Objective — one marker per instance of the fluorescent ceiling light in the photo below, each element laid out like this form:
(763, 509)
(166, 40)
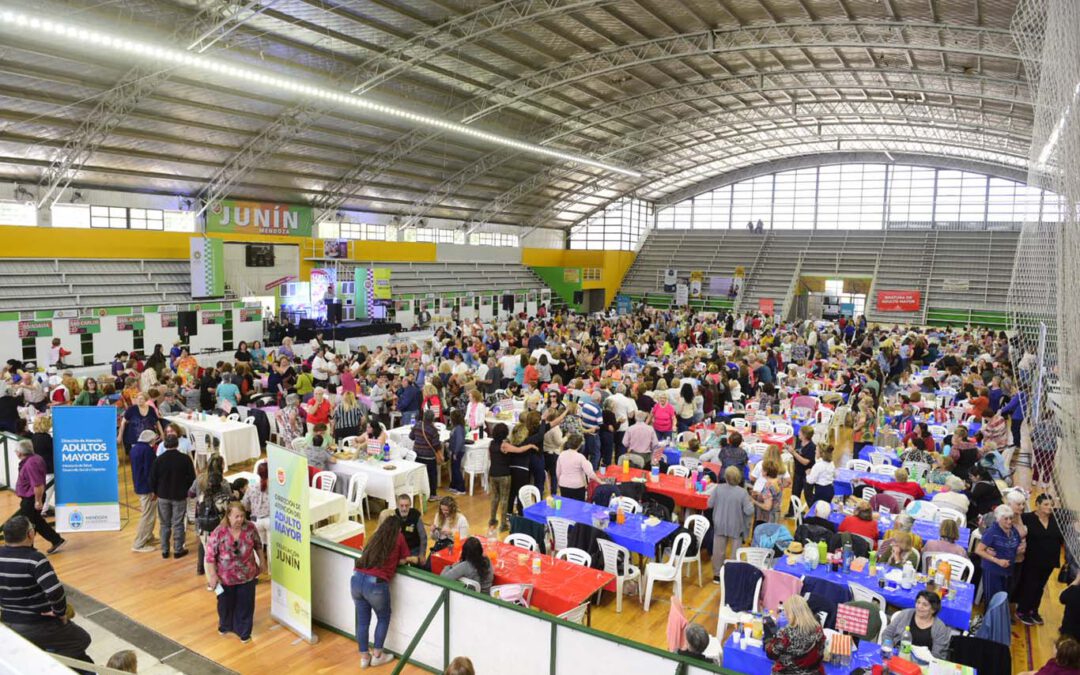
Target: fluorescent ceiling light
(36, 27)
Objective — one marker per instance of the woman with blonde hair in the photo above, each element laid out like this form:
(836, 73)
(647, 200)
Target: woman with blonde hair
(432, 402)
(476, 411)
(901, 550)
(347, 417)
(797, 648)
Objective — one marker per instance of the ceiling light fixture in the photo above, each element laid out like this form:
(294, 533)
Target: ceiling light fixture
(37, 27)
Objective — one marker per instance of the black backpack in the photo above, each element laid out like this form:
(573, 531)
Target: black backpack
(209, 513)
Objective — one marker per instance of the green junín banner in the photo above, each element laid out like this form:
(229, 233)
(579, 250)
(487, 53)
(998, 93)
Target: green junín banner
(132, 322)
(239, 217)
(84, 326)
(290, 540)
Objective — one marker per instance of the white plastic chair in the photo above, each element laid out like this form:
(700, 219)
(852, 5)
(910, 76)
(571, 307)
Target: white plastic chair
(901, 498)
(859, 592)
(233, 417)
(470, 584)
(783, 428)
(699, 527)
(625, 504)
(756, 448)
(409, 455)
(690, 463)
(528, 495)
(612, 552)
(476, 463)
(250, 419)
(868, 492)
(764, 426)
(576, 615)
(515, 594)
(357, 496)
(409, 487)
(678, 470)
(824, 415)
(884, 469)
(522, 540)
(757, 556)
(937, 430)
(798, 508)
(880, 459)
(667, 571)
(926, 511)
(727, 615)
(962, 569)
(685, 436)
(324, 480)
(575, 555)
(560, 531)
(740, 423)
(944, 512)
(858, 465)
(348, 441)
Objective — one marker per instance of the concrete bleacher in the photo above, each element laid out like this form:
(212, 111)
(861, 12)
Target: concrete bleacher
(895, 259)
(437, 277)
(60, 283)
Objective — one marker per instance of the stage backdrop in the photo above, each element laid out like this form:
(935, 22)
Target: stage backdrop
(84, 447)
(290, 541)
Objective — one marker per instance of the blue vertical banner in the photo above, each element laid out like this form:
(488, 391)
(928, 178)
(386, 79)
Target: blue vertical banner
(85, 459)
(622, 304)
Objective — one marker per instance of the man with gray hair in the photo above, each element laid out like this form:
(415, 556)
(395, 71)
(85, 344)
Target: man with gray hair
(697, 641)
(30, 489)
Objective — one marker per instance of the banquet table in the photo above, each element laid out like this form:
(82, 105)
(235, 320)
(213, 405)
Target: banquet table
(744, 658)
(382, 483)
(668, 485)
(631, 534)
(846, 477)
(894, 458)
(239, 441)
(559, 587)
(955, 611)
(400, 435)
(325, 505)
(927, 529)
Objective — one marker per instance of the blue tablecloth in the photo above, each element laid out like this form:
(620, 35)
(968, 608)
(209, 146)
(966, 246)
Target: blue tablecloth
(753, 661)
(955, 612)
(864, 454)
(629, 534)
(928, 530)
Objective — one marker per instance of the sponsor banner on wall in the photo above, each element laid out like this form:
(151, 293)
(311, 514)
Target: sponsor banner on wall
(336, 248)
(170, 320)
(766, 305)
(249, 314)
(955, 285)
(207, 267)
(898, 301)
(131, 322)
(622, 304)
(277, 282)
(211, 317)
(671, 278)
(35, 329)
(682, 294)
(571, 275)
(84, 326)
(241, 217)
(381, 276)
(290, 540)
(84, 448)
(696, 279)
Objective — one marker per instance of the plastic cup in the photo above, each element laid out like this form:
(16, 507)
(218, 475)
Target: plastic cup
(558, 505)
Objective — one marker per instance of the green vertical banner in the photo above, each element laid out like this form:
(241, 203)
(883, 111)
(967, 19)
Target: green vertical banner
(207, 267)
(290, 541)
(362, 292)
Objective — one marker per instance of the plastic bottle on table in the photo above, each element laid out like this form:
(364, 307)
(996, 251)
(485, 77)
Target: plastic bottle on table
(905, 644)
(536, 565)
(386, 452)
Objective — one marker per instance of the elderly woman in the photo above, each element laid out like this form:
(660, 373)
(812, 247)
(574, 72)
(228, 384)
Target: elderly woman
(139, 417)
(900, 549)
(799, 647)
(290, 425)
(926, 629)
(903, 523)
(731, 508)
(573, 470)
(862, 522)
(948, 533)
(953, 496)
(767, 499)
(257, 502)
(427, 446)
(663, 416)
(998, 549)
(233, 565)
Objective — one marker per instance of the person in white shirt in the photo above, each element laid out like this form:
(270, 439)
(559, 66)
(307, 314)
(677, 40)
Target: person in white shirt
(321, 367)
(475, 411)
(822, 475)
(508, 363)
(624, 408)
(952, 496)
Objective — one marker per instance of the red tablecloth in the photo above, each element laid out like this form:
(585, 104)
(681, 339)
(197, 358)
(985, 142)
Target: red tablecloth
(671, 486)
(776, 439)
(560, 586)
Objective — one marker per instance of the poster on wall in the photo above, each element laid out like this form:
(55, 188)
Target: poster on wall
(131, 322)
(622, 304)
(381, 276)
(169, 320)
(898, 301)
(207, 267)
(766, 306)
(363, 292)
(323, 281)
(670, 280)
(241, 217)
(84, 448)
(84, 326)
(290, 541)
(725, 286)
(696, 279)
(35, 329)
(336, 248)
(250, 314)
(571, 275)
(682, 294)
(212, 317)
(955, 285)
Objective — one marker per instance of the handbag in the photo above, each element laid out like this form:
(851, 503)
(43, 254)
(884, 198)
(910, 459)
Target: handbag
(439, 456)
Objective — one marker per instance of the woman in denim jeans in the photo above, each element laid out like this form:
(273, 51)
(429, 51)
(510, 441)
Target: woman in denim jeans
(371, 587)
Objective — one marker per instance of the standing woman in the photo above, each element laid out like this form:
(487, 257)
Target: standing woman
(573, 470)
(428, 447)
(139, 417)
(1044, 541)
(232, 560)
(476, 411)
(822, 475)
(370, 586)
(502, 452)
(799, 647)
(998, 548)
(457, 452)
(90, 394)
(347, 417)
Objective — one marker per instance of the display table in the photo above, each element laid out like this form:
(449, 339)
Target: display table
(631, 534)
(560, 586)
(325, 505)
(675, 487)
(927, 529)
(381, 483)
(955, 611)
(239, 441)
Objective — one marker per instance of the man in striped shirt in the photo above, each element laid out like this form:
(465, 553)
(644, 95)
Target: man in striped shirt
(32, 600)
(591, 419)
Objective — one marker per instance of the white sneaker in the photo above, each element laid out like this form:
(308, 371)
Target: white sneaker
(381, 659)
(144, 549)
(365, 660)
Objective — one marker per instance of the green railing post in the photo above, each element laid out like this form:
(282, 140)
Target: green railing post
(446, 630)
(553, 667)
(404, 657)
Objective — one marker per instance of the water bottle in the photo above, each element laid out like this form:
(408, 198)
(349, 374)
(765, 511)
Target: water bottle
(386, 452)
(905, 644)
(886, 649)
(848, 555)
(536, 565)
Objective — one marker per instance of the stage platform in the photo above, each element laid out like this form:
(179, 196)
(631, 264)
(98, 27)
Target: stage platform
(349, 329)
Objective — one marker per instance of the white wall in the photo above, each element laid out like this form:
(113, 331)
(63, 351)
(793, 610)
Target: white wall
(471, 254)
(253, 280)
(111, 341)
(154, 333)
(210, 336)
(247, 330)
(10, 344)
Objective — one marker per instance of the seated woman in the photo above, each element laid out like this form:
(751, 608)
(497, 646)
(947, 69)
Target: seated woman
(862, 522)
(898, 549)
(926, 629)
(899, 483)
(473, 565)
(799, 647)
(949, 532)
(904, 523)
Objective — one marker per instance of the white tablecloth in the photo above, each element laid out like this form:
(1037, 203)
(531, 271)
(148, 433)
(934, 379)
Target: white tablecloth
(327, 506)
(239, 441)
(383, 484)
(400, 435)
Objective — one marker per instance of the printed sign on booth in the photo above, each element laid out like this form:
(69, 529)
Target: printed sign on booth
(898, 301)
(84, 326)
(766, 305)
(215, 316)
(35, 329)
(131, 322)
(290, 540)
(84, 448)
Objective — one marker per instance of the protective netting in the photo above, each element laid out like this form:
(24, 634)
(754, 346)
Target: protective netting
(1044, 298)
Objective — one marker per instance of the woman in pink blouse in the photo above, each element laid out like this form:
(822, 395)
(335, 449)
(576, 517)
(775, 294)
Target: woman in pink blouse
(232, 567)
(573, 470)
(663, 416)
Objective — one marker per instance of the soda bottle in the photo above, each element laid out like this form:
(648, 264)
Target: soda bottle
(386, 452)
(905, 644)
(873, 563)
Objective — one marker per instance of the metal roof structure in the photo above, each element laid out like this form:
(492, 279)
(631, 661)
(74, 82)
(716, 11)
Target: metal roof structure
(681, 91)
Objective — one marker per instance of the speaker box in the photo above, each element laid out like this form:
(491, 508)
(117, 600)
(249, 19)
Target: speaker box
(187, 323)
(333, 312)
